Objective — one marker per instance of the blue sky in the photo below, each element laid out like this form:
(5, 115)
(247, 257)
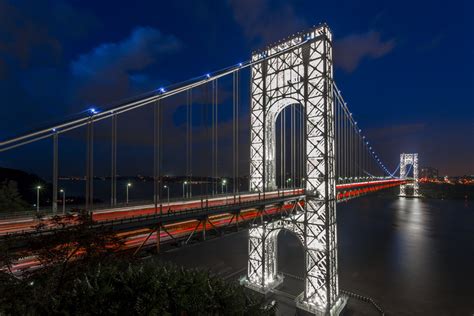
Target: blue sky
(405, 68)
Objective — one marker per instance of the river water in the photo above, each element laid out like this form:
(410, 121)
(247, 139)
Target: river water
(412, 256)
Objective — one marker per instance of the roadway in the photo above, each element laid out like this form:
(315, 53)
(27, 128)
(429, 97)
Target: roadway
(344, 191)
(179, 230)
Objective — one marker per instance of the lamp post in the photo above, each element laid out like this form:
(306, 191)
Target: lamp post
(38, 188)
(288, 182)
(224, 183)
(168, 189)
(64, 200)
(128, 186)
(184, 183)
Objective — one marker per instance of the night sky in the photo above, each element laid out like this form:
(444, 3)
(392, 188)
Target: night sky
(405, 68)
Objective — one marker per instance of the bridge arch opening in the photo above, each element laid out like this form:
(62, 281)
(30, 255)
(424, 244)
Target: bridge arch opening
(265, 257)
(285, 145)
(291, 260)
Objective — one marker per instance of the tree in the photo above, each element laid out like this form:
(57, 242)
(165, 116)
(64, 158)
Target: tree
(119, 286)
(81, 273)
(10, 199)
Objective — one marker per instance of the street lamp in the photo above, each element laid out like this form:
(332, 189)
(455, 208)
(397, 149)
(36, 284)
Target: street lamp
(288, 182)
(167, 189)
(38, 188)
(224, 183)
(184, 183)
(128, 186)
(64, 200)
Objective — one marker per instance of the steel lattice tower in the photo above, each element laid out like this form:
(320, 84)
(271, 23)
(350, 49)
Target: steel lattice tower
(406, 160)
(286, 76)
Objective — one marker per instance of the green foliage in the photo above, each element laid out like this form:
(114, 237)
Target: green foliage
(10, 198)
(118, 286)
(80, 273)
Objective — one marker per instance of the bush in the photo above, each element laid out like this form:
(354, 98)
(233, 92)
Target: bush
(124, 287)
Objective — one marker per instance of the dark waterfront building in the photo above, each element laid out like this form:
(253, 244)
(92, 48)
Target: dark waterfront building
(429, 172)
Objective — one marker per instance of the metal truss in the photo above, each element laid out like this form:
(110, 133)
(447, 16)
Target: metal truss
(406, 160)
(263, 248)
(301, 75)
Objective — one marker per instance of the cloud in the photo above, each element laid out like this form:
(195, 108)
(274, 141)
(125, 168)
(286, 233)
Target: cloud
(32, 33)
(349, 51)
(264, 22)
(22, 39)
(110, 69)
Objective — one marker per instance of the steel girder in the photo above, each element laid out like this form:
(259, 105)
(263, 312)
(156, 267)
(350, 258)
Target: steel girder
(406, 160)
(303, 75)
(262, 273)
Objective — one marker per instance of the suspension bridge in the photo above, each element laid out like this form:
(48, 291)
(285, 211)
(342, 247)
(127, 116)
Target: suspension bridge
(307, 153)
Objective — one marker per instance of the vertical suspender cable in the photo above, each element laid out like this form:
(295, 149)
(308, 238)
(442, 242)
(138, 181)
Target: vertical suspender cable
(338, 142)
(237, 131)
(284, 148)
(293, 157)
(190, 175)
(156, 153)
(234, 82)
(346, 169)
(187, 146)
(282, 180)
(55, 173)
(351, 150)
(161, 146)
(113, 171)
(215, 135)
(204, 121)
(90, 166)
(301, 146)
(187, 185)
(213, 120)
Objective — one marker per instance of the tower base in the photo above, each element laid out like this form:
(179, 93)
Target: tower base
(410, 195)
(336, 309)
(267, 288)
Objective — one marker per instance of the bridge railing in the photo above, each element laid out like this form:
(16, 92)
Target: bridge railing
(46, 211)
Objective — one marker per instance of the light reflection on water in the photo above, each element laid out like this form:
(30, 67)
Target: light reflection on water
(413, 255)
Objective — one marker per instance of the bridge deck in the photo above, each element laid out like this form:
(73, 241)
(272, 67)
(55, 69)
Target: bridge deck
(183, 219)
(185, 209)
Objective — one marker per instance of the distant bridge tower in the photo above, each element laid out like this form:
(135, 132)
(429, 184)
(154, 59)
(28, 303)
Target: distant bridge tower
(298, 70)
(405, 161)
